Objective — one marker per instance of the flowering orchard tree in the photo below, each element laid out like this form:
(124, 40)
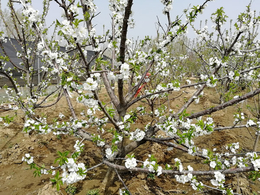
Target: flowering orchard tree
(229, 62)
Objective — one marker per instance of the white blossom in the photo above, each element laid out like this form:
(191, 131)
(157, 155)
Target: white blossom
(109, 154)
(130, 163)
(138, 135)
(213, 164)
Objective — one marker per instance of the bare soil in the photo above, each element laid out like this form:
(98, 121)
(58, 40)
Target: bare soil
(16, 178)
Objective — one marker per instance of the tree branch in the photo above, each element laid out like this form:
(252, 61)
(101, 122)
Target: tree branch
(173, 172)
(224, 105)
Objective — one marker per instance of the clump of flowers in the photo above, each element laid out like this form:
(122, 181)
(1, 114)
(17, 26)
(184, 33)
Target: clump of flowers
(28, 158)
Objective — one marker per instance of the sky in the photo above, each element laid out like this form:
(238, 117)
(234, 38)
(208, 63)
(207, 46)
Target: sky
(145, 13)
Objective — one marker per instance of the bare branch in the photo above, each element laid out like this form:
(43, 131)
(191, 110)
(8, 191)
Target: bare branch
(224, 105)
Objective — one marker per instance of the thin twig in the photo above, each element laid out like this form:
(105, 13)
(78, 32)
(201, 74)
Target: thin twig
(122, 181)
(95, 166)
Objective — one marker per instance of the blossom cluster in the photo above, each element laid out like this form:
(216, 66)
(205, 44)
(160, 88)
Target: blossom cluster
(168, 6)
(255, 159)
(91, 6)
(57, 128)
(239, 117)
(78, 146)
(110, 154)
(183, 178)
(89, 101)
(100, 142)
(117, 6)
(77, 32)
(137, 135)
(152, 166)
(201, 127)
(32, 14)
(219, 179)
(28, 158)
(130, 163)
(73, 172)
(124, 71)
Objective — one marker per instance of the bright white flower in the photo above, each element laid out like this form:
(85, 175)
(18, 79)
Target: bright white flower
(204, 152)
(32, 14)
(91, 6)
(40, 46)
(111, 76)
(196, 99)
(119, 139)
(130, 163)
(109, 154)
(138, 135)
(78, 146)
(214, 182)
(203, 77)
(190, 168)
(220, 178)
(44, 171)
(28, 158)
(231, 74)
(70, 172)
(69, 79)
(124, 71)
(100, 143)
(211, 82)
(212, 164)
(226, 162)
(159, 170)
(256, 164)
(126, 117)
(180, 168)
(90, 84)
(250, 123)
(74, 9)
(149, 165)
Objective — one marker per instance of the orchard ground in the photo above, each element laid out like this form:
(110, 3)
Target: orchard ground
(16, 178)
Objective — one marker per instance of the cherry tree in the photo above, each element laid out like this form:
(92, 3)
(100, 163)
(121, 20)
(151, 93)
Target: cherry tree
(146, 71)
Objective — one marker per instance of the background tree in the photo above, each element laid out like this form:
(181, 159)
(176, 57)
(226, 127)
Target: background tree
(7, 18)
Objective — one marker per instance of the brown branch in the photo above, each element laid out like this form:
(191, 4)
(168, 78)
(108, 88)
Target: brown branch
(186, 105)
(105, 112)
(173, 172)
(123, 48)
(167, 144)
(231, 127)
(109, 89)
(124, 30)
(45, 98)
(69, 103)
(159, 92)
(224, 105)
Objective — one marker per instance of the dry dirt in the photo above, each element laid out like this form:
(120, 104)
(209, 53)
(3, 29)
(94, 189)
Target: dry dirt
(16, 178)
